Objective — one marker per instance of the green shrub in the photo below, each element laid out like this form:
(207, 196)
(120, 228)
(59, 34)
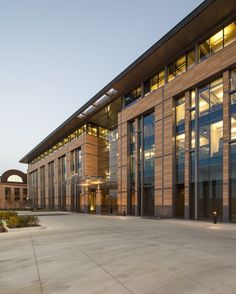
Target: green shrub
(13, 222)
(20, 221)
(5, 215)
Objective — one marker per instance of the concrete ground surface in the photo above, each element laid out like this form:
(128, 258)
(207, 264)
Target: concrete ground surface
(78, 253)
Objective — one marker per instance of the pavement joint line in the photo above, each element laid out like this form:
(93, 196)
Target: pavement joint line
(36, 262)
(98, 264)
(163, 267)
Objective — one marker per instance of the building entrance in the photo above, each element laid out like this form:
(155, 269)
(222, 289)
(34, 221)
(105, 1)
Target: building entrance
(148, 201)
(92, 201)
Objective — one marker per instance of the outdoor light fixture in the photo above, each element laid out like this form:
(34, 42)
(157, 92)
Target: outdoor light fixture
(214, 217)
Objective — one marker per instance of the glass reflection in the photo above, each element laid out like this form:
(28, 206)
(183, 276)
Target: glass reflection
(210, 140)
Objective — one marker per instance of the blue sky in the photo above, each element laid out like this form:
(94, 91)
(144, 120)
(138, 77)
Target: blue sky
(56, 54)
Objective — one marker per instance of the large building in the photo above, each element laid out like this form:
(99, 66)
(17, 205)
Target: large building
(13, 190)
(158, 140)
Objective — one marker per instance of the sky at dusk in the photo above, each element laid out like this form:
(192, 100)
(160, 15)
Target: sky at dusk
(56, 54)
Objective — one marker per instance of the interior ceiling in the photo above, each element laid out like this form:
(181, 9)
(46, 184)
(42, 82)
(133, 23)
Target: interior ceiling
(199, 23)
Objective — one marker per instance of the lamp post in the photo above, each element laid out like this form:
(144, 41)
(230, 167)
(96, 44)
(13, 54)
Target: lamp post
(215, 217)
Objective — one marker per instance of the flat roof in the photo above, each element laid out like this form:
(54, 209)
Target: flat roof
(200, 21)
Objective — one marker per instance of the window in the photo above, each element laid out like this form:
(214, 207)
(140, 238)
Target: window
(193, 99)
(132, 96)
(210, 152)
(17, 194)
(162, 78)
(92, 129)
(7, 193)
(204, 50)
(180, 65)
(180, 111)
(183, 63)
(216, 95)
(218, 41)
(230, 34)
(233, 80)
(155, 82)
(14, 178)
(233, 145)
(25, 194)
(51, 196)
(211, 97)
(131, 152)
(180, 140)
(190, 59)
(179, 156)
(171, 72)
(192, 117)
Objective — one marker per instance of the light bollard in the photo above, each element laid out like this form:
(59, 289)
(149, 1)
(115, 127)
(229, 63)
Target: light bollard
(214, 217)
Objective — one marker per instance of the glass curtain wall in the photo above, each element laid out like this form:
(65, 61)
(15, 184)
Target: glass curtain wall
(210, 153)
(145, 148)
(42, 186)
(140, 164)
(51, 191)
(148, 164)
(113, 169)
(131, 152)
(179, 155)
(76, 172)
(62, 182)
(233, 145)
(192, 154)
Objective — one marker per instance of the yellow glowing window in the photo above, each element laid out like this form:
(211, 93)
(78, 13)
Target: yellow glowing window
(171, 72)
(192, 139)
(193, 114)
(233, 80)
(180, 111)
(190, 59)
(180, 140)
(216, 93)
(154, 83)
(233, 127)
(230, 34)
(161, 78)
(193, 98)
(216, 42)
(216, 138)
(180, 65)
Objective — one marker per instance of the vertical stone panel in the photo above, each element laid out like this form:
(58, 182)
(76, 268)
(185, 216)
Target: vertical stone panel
(39, 187)
(168, 159)
(136, 166)
(226, 138)
(187, 156)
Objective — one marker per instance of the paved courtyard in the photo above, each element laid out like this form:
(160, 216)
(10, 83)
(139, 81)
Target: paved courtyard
(78, 253)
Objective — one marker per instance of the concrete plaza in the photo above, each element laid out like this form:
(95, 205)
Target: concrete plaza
(78, 253)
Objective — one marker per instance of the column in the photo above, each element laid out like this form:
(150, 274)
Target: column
(226, 138)
(136, 202)
(187, 156)
(168, 157)
(98, 201)
(86, 200)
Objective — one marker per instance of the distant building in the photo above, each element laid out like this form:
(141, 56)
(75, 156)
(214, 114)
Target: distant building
(13, 189)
